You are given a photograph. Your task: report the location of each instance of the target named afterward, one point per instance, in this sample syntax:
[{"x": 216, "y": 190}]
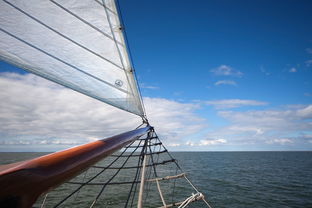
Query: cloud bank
[
  {"x": 291, "y": 125},
  {"x": 36, "y": 111},
  {"x": 233, "y": 103}
]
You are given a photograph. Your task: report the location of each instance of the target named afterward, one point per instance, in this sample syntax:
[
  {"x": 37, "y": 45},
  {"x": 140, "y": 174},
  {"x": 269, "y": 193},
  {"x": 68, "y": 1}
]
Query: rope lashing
[{"x": 192, "y": 198}]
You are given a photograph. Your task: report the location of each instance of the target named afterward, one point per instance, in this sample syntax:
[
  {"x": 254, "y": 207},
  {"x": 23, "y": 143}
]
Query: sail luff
[
  {"x": 124, "y": 60},
  {"x": 126, "y": 50}
]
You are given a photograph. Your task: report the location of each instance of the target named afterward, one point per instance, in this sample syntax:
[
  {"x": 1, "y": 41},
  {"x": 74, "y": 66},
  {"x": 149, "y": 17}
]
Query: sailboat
[{"x": 81, "y": 45}]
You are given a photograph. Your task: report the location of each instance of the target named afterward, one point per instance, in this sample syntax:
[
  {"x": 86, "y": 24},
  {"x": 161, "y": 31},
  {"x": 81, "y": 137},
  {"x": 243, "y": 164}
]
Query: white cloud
[
  {"x": 174, "y": 120},
  {"x": 307, "y": 136},
  {"x": 279, "y": 141},
  {"x": 151, "y": 87},
  {"x": 263, "y": 70},
  {"x": 206, "y": 142},
  {"x": 253, "y": 130},
  {"x": 305, "y": 112},
  {"x": 233, "y": 103},
  {"x": 271, "y": 118},
  {"x": 224, "y": 70},
  {"x": 36, "y": 111},
  {"x": 292, "y": 70},
  {"x": 189, "y": 143},
  {"x": 173, "y": 144},
  {"x": 32, "y": 106},
  {"x": 308, "y": 63},
  {"x": 263, "y": 126},
  {"x": 307, "y": 94},
  {"x": 225, "y": 82}
]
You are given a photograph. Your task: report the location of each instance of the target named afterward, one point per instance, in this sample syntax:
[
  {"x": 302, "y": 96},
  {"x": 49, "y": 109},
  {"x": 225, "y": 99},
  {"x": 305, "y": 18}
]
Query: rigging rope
[
  {"x": 158, "y": 178},
  {"x": 99, "y": 194},
  {"x": 82, "y": 185}
]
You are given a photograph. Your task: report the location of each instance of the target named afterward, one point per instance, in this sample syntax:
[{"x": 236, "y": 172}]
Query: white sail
[{"x": 76, "y": 43}]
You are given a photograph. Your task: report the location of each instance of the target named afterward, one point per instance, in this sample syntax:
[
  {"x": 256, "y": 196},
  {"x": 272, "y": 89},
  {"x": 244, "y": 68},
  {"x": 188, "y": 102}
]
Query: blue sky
[
  {"x": 178, "y": 47},
  {"x": 238, "y": 72},
  {"x": 177, "y": 44}
]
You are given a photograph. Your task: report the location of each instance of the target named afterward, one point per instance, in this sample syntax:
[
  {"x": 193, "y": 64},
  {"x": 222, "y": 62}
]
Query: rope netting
[{"x": 115, "y": 181}]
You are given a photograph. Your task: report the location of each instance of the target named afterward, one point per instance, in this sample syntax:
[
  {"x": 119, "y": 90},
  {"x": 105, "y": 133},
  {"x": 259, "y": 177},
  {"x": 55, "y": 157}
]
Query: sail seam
[
  {"x": 85, "y": 21},
  {"x": 64, "y": 36},
  {"x": 60, "y": 82},
  {"x": 60, "y": 60},
  {"x": 99, "y": 2}
]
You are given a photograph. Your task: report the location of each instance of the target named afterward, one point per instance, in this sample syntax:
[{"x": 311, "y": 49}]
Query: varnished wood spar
[{"x": 23, "y": 182}]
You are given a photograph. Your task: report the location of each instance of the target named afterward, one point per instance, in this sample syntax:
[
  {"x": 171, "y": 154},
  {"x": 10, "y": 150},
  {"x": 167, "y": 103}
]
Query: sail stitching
[
  {"x": 56, "y": 80},
  {"x": 85, "y": 21},
  {"x": 64, "y": 36},
  {"x": 62, "y": 61},
  {"x": 99, "y": 2}
]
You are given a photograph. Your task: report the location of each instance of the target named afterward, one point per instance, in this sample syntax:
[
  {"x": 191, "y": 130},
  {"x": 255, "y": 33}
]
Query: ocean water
[
  {"x": 228, "y": 179},
  {"x": 252, "y": 179}
]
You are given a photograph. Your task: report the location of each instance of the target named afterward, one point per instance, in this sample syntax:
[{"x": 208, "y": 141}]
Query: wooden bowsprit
[{"x": 23, "y": 182}]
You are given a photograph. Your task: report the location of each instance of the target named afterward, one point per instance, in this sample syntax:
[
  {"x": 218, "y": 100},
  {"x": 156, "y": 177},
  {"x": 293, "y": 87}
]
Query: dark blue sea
[{"x": 234, "y": 179}]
